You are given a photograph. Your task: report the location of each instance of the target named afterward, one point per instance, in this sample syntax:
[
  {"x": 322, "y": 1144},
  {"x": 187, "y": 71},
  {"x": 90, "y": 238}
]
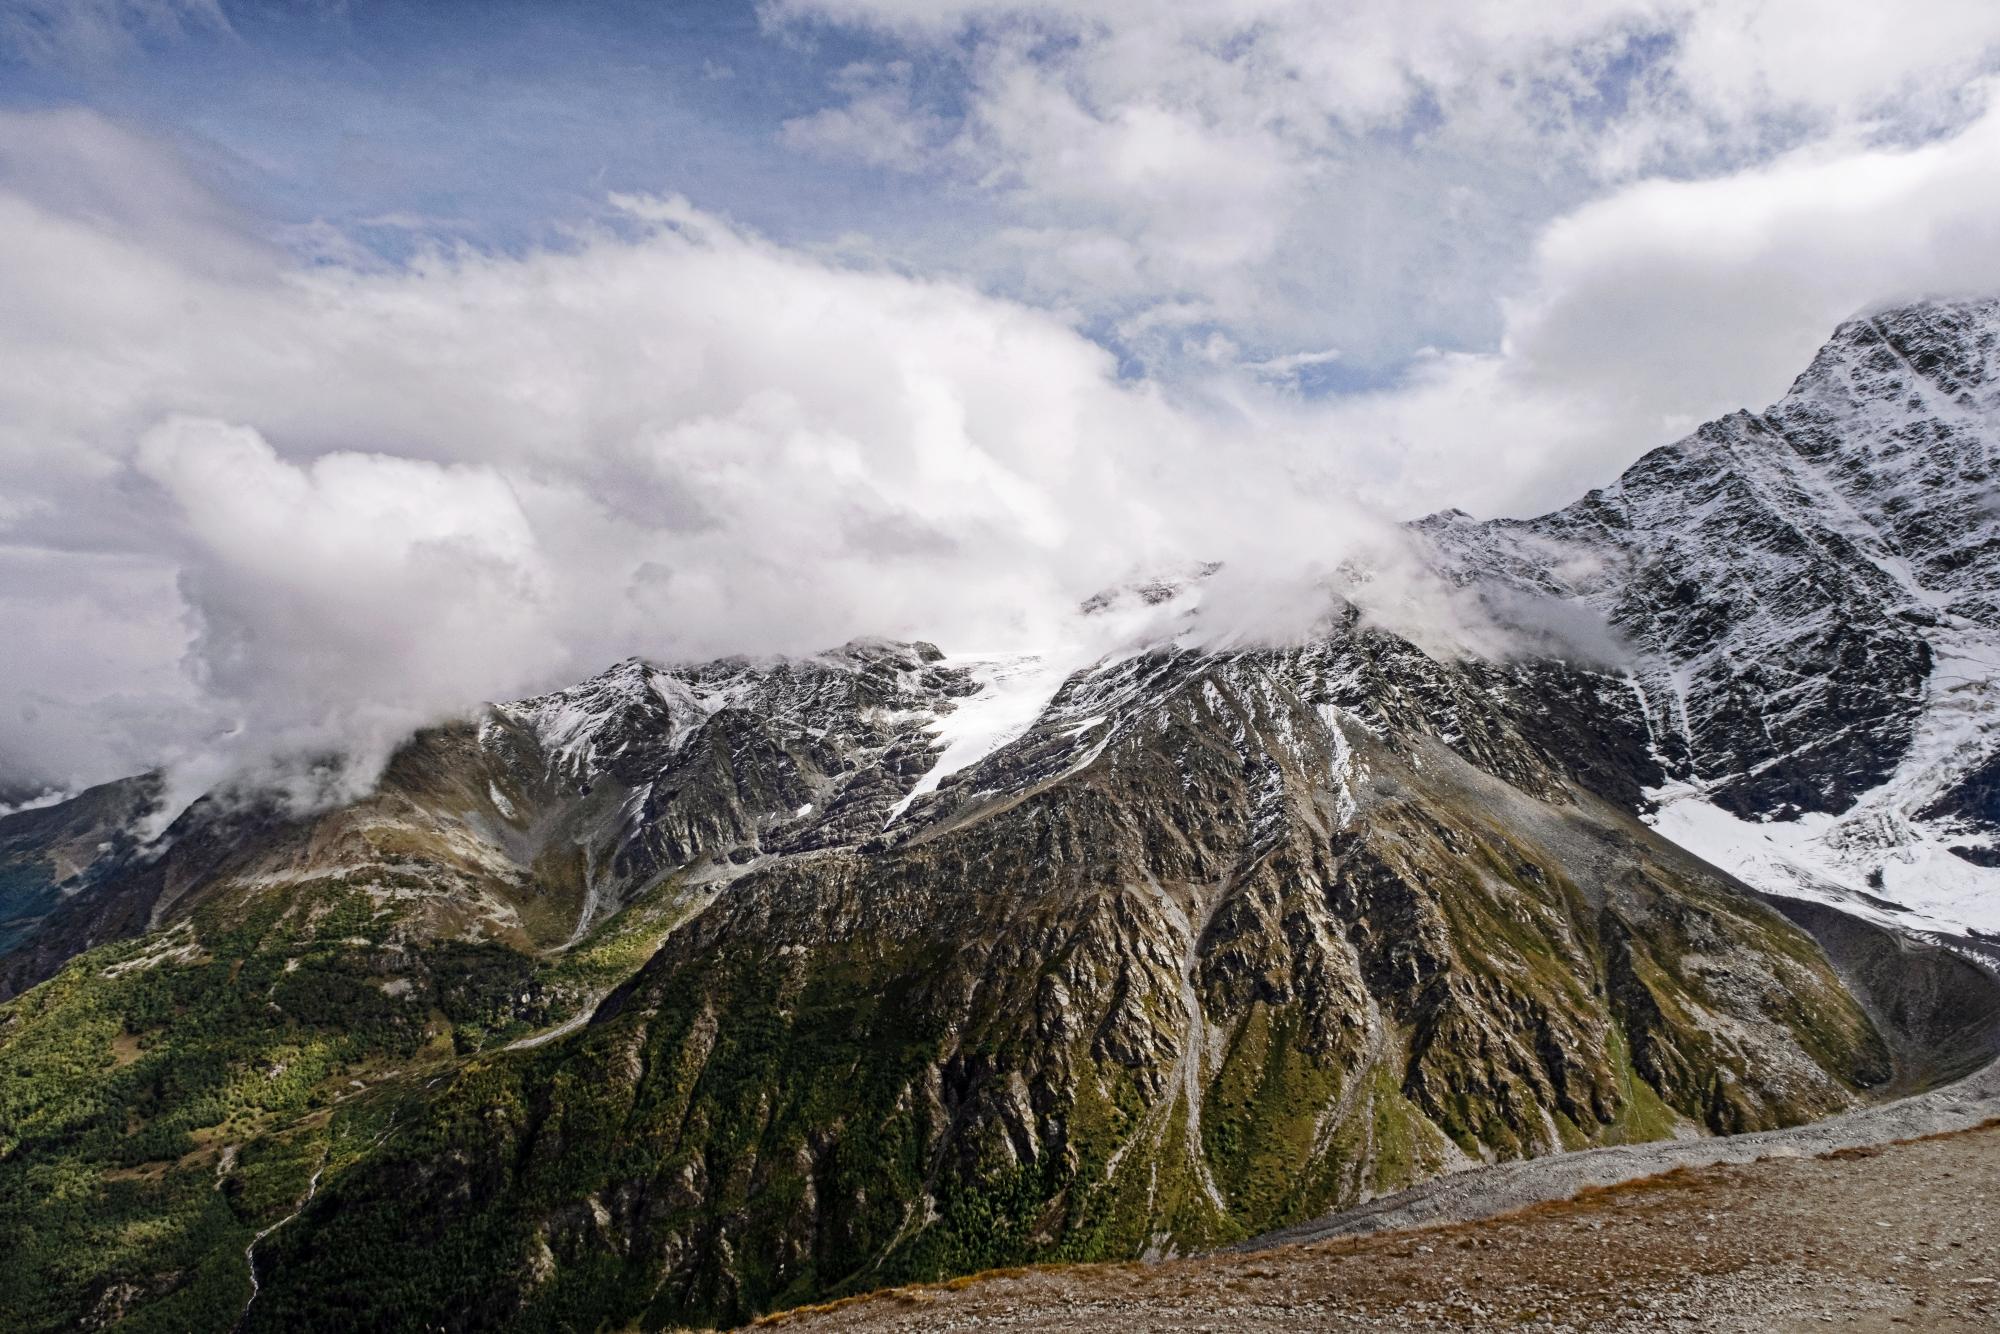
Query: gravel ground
[
  {"x": 1504, "y": 1187},
  {"x": 1889, "y": 1237}
]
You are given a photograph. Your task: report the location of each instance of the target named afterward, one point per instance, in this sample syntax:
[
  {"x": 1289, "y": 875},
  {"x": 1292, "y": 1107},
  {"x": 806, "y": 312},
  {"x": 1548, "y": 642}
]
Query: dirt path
[
  {"x": 563, "y": 1029},
  {"x": 1901, "y": 1237}
]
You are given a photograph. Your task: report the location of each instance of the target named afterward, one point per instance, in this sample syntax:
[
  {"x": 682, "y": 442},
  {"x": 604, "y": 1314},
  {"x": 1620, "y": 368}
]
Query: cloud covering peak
[{"x": 379, "y": 495}]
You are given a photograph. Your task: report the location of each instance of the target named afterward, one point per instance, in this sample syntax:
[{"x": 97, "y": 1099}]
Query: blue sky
[
  {"x": 365, "y": 360},
  {"x": 498, "y": 123},
  {"x": 1400, "y": 204},
  {"x": 1403, "y": 167},
  {"x": 506, "y": 125}
]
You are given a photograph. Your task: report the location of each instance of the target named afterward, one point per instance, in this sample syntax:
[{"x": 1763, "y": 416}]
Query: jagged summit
[
  {"x": 1809, "y": 594},
  {"x": 1152, "y": 590},
  {"x": 1950, "y": 344}
]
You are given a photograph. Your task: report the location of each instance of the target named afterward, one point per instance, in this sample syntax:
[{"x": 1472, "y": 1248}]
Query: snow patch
[
  {"x": 1880, "y": 858},
  {"x": 1013, "y": 692},
  {"x": 1341, "y": 769},
  {"x": 1923, "y": 886}
]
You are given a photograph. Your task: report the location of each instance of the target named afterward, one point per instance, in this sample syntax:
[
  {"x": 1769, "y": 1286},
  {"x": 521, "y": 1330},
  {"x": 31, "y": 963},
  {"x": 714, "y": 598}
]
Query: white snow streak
[{"x": 1014, "y": 690}]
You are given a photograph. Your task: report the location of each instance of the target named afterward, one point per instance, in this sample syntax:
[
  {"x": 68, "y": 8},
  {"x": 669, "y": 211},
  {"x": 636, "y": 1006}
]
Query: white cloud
[
  {"x": 1842, "y": 60},
  {"x": 382, "y": 494},
  {"x": 1608, "y": 221},
  {"x": 250, "y": 502},
  {"x": 1367, "y": 173},
  {"x": 1367, "y": 62},
  {"x": 879, "y": 124},
  {"x": 92, "y": 681},
  {"x": 1668, "y": 303}
]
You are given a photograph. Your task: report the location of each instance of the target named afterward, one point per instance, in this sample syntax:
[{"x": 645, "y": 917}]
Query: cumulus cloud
[
  {"x": 1367, "y": 174},
  {"x": 1666, "y": 303},
  {"x": 259, "y": 500},
  {"x": 879, "y": 122},
  {"x": 92, "y": 678},
  {"x": 366, "y": 497},
  {"x": 339, "y": 602}
]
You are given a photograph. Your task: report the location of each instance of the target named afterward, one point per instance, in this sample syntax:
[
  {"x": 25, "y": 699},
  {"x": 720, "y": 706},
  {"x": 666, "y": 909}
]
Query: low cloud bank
[
  {"x": 297, "y": 508},
  {"x": 254, "y": 505}
]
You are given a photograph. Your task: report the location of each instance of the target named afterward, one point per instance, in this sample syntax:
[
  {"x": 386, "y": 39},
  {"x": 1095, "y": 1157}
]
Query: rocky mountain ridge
[
  {"x": 687, "y": 992},
  {"x": 1199, "y": 948},
  {"x": 1810, "y": 599}
]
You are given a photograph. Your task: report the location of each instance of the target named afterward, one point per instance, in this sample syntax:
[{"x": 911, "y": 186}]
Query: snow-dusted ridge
[
  {"x": 1014, "y": 689},
  {"x": 1888, "y": 857},
  {"x": 1811, "y": 597}
]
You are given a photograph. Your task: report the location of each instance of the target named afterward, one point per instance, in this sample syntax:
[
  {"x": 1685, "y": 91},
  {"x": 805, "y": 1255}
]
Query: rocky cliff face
[
  {"x": 51, "y": 854},
  {"x": 1807, "y": 599},
  {"x": 692, "y": 991}
]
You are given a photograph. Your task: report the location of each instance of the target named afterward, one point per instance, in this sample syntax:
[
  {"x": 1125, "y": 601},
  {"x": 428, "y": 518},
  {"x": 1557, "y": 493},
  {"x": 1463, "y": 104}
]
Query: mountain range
[{"x": 692, "y": 992}]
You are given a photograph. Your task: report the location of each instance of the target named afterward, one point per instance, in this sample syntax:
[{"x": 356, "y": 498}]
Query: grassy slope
[
  {"x": 765, "y": 1108},
  {"x": 762, "y": 1124},
  {"x": 164, "y": 1099}
]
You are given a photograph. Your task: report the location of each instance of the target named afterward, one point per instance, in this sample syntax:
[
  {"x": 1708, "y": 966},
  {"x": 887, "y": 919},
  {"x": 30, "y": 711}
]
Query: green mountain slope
[{"x": 1217, "y": 944}]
